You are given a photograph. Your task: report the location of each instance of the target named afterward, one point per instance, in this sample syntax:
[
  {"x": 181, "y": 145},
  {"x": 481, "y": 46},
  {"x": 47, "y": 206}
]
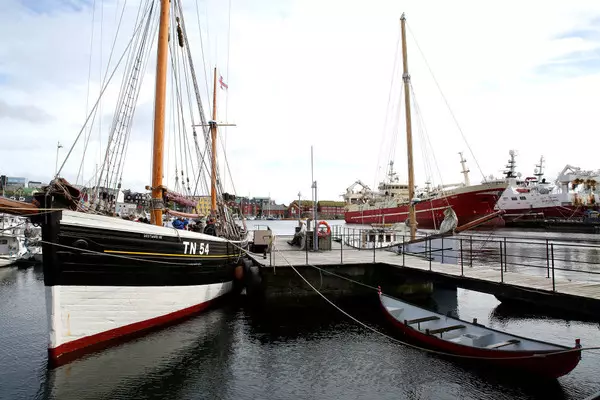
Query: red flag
[{"x": 223, "y": 84}]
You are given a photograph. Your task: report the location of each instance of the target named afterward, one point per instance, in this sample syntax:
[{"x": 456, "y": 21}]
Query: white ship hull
[{"x": 82, "y": 316}]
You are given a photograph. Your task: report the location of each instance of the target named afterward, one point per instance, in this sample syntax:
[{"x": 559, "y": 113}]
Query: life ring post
[{"x": 321, "y": 233}]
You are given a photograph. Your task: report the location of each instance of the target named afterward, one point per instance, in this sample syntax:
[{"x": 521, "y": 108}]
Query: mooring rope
[
  {"x": 441, "y": 353},
  {"x": 393, "y": 339}
]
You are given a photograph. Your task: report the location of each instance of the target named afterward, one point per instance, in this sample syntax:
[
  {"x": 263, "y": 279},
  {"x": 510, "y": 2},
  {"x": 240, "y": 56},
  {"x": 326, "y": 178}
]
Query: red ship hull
[{"x": 468, "y": 206}]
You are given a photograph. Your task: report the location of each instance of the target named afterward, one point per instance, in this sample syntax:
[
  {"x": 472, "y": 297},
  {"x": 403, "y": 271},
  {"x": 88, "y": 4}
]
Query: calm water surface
[{"x": 283, "y": 349}]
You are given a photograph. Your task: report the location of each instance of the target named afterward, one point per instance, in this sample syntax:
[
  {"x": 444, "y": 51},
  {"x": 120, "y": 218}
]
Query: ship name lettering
[
  {"x": 148, "y": 236},
  {"x": 195, "y": 248}
]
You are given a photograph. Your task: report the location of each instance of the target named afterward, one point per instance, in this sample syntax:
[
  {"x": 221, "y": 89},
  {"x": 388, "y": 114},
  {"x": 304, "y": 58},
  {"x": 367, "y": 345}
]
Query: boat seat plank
[
  {"x": 444, "y": 329},
  {"x": 424, "y": 319},
  {"x": 502, "y": 344}
]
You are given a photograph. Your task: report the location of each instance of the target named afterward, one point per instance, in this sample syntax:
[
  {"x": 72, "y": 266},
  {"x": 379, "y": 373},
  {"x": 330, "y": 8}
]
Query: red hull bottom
[
  {"x": 430, "y": 214},
  {"x": 72, "y": 350},
  {"x": 548, "y": 366}
]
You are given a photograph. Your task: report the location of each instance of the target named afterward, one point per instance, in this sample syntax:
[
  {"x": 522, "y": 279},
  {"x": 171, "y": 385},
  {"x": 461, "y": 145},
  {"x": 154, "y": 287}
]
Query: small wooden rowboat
[{"x": 479, "y": 343}]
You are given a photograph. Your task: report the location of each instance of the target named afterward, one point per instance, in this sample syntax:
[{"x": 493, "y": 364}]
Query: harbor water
[{"x": 287, "y": 348}]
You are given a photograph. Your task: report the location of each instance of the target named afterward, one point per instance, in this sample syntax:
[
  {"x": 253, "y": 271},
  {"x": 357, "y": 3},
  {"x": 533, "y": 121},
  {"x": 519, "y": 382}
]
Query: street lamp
[
  {"x": 299, "y": 209},
  {"x": 58, "y": 146}
]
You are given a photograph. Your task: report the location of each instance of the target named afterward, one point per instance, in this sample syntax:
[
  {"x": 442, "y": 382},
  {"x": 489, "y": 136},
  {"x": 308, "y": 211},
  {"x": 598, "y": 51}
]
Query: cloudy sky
[{"x": 516, "y": 75}]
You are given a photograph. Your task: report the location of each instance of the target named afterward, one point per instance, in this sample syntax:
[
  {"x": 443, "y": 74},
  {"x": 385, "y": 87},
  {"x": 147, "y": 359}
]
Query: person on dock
[{"x": 297, "y": 240}]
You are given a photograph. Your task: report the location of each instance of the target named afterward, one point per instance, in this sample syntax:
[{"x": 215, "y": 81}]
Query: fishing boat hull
[
  {"x": 561, "y": 212},
  {"x": 469, "y": 204},
  {"x": 109, "y": 279},
  {"x": 535, "y": 357}
]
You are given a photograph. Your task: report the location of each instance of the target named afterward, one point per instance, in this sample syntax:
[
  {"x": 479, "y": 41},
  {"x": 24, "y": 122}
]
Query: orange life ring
[{"x": 321, "y": 233}]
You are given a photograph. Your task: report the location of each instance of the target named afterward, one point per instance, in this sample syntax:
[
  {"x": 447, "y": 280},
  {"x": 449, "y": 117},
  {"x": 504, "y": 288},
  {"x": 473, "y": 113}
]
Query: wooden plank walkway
[{"x": 283, "y": 254}]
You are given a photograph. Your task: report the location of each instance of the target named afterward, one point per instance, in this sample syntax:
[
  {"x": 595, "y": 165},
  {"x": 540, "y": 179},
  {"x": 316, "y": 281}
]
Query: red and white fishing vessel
[
  {"x": 390, "y": 204},
  {"x": 398, "y": 202},
  {"x": 475, "y": 342},
  {"x": 574, "y": 193}
]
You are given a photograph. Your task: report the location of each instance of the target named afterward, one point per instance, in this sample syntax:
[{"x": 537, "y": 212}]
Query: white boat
[
  {"x": 378, "y": 237},
  {"x": 574, "y": 192},
  {"x": 11, "y": 249}
]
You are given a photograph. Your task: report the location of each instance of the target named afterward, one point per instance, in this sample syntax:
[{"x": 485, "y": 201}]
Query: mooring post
[
  {"x": 462, "y": 264},
  {"x": 442, "y": 249},
  {"x": 547, "y": 260},
  {"x": 505, "y": 255},
  {"x": 552, "y": 255},
  {"x": 501, "y": 266}
]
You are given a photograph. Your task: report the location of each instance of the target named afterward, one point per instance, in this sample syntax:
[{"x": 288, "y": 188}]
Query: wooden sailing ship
[{"x": 108, "y": 278}]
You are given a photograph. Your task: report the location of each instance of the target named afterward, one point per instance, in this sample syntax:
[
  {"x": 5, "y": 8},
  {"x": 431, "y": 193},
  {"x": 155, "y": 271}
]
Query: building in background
[
  {"x": 277, "y": 211},
  {"x": 306, "y": 209},
  {"x": 12, "y": 182},
  {"x": 34, "y": 184},
  {"x": 203, "y": 205},
  {"x": 331, "y": 209}
]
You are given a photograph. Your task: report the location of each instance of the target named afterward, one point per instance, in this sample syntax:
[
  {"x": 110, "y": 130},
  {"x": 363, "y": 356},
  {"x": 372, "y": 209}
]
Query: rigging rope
[
  {"x": 447, "y": 104},
  {"x": 393, "y": 339},
  {"x": 98, "y": 100},
  {"x": 227, "y": 77},
  {"x": 87, "y": 95},
  {"x": 203, "y": 59},
  {"x": 125, "y": 110},
  {"x": 421, "y": 124},
  {"x": 388, "y": 108}
]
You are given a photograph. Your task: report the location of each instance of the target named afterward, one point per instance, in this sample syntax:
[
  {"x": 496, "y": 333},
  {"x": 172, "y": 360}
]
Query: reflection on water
[
  {"x": 158, "y": 366},
  {"x": 287, "y": 348}
]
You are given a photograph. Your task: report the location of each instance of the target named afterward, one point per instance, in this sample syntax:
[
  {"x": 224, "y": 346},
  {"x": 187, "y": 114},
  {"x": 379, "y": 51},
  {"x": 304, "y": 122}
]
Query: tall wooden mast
[
  {"x": 213, "y": 136},
  {"x": 159, "y": 114},
  {"x": 411, "y": 174}
]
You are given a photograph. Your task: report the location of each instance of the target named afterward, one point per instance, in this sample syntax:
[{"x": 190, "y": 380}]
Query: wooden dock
[{"x": 581, "y": 296}]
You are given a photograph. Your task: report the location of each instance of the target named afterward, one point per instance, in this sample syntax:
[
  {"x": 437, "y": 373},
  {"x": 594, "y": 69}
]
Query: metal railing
[{"x": 552, "y": 258}]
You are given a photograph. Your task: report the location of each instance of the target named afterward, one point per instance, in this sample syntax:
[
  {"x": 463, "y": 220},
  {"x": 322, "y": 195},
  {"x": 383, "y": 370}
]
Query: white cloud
[{"x": 311, "y": 72}]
